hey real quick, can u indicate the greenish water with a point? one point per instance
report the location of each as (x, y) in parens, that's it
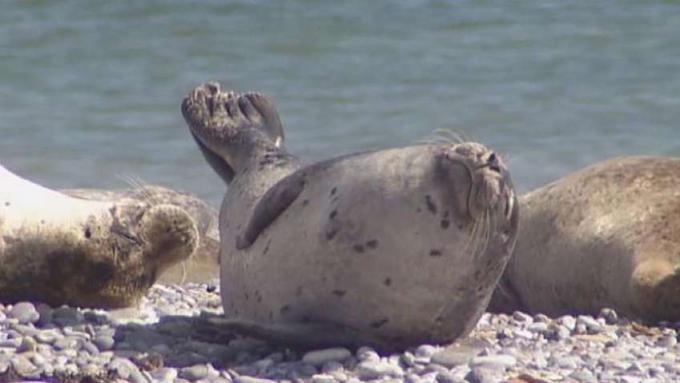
(90, 91)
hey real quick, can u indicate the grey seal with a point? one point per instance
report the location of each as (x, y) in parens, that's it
(203, 264)
(59, 250)
(607, 236)
(388, 248)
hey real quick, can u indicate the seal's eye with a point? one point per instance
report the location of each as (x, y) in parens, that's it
(493, 163)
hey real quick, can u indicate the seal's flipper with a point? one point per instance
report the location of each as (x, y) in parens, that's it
(219, 165)
(274, 202)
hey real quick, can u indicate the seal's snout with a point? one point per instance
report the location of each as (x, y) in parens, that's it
(488, 178)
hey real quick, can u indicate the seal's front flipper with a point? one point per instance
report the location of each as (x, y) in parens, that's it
(274, 202)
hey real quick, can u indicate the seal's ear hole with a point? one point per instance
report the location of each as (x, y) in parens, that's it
(493, 163)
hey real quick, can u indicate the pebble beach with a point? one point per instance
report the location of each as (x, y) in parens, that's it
(168, 338)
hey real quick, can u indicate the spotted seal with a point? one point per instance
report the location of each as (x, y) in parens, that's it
(388, 248)
(607, 236)
(59, 250)
(203, 265)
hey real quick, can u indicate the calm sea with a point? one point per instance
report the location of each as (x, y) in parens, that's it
(90, 90)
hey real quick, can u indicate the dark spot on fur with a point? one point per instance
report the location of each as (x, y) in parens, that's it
(331, 233)
(88, 233)
(334, 190)
(339, 293)
(7, 203)
(478, 273)
(42, 221)
(266, 248)
(333, 214)
(298, 291)
(445, 223)
(379, 323)
(359, 248)
(387, 281)
(258, 296)
(418, 210)
(439, 319)
(430, 204)
(246, 296)
(435, 253)
(284, 309)
(305, 202)
(271, 314)
(372, 244)
(305, 319)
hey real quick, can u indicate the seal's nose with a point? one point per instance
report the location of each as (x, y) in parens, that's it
(493, 163)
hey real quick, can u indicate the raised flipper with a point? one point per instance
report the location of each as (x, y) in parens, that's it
(274, 202)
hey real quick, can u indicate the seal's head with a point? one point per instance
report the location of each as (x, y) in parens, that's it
(230, 128)
(488, 187)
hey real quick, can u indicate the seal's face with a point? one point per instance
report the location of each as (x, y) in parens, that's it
(488, 181)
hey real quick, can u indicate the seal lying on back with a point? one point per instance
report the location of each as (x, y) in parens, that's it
(606, 236)
(203, 265)
(388, 248)
(62, 250)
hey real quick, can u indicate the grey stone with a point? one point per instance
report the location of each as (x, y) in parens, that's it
(250, 379)
(367, 354)
(24, 312)
(164, 374)
(319, 357)
(609, 315)
(425, 351)
(323, 378)
(567, 321)
(369, 369)
(70, 343)
(538, 327)
(592, 326)
(24, 368)
(48, 336)
(584, 376)
(522, 317)
(482, 374)
(27, 344)
(90, 348)
(667, 341)
(4, 363)
(195, 372)
(453, 356)
(494, 361)
(67, 316)
(103, 342)
(122, 367)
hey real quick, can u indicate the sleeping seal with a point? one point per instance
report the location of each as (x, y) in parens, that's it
(62, 250)
(203, 265)
(388, 248)
(605, 236)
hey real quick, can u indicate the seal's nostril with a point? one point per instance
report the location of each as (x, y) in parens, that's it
(493, 163)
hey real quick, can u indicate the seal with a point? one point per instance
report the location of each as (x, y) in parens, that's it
(388, 248)
(203, 264)
(104, 254)
(607, 236)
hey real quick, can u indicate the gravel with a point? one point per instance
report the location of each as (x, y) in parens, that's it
(168, 338)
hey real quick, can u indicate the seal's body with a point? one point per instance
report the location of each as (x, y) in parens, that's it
(390, 248)
(606, 236)
(62, 250)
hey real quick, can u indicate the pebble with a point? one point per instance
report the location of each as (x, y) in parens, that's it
(24, 312)
(66, 340)
(320, 357)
